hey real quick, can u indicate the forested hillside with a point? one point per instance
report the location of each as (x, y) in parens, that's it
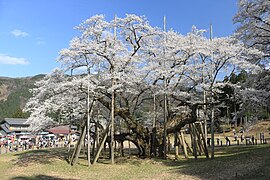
(14, 93)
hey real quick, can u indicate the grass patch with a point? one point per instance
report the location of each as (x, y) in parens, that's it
(236, 162)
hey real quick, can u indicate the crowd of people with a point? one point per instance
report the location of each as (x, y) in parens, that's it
(240, 137)
(10, 144)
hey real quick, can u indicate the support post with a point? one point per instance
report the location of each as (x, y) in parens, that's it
(101, 145)
(193, 140)
(176, 145)
(165, 105)
(204, 142)
(88, 127)
(183, 142)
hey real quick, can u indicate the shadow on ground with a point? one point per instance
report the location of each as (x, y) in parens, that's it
(246, 162)
(43, 156)
(45, 177)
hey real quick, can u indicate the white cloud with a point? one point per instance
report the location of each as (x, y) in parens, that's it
(5, 59)
(19, 33)
(41, 42)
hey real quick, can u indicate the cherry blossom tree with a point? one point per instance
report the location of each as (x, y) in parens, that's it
(254, 25)
(253, 29)
(121, 63)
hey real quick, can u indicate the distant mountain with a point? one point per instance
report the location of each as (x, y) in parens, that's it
(14, 93)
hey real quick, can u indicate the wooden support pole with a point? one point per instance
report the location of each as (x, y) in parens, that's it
(193, 141)
(155, 113)
(176, 145)
(101, 145)
(204, 142)
(198, 142)
(129, 153)
(122, 148)
(75, 155)
(69, 142)
(112, 104)
(88, 126)
(112, 125)
(183, 141)
(165, 107)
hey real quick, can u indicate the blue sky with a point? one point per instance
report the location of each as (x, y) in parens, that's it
(32, 32)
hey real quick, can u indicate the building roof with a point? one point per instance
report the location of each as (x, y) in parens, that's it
(10, 125)
(60, 130)
(5, 129)
(16, 121)
(2, 133)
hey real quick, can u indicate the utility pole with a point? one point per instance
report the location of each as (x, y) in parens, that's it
(165, 99)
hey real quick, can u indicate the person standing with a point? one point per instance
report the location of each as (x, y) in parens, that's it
(228, 142)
